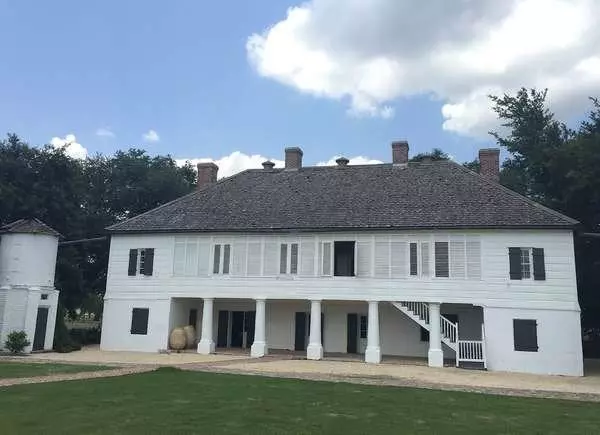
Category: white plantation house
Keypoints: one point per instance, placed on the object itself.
(424, 259)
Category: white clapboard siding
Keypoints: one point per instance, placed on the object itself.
(191, 257)
(457, 257)
(254, 258)
(179, 258)
(382, 258)
(364, 256)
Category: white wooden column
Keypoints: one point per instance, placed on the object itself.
(259, 346)
(435, 354)
(207, 345)
(315, 347)
(373, 351)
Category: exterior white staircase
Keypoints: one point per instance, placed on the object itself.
(470, 351)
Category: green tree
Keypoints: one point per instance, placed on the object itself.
(560, 168)
(435, 154)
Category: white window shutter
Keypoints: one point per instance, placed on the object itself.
(239, 258)
(191, 257)
(473, 258)
(307, 257)
(425, 259)
(254, 249)
(363, 258)
(179, 258)
(325, 255)
(457, 258)
(382, 258)
(271, 265)
(399, 259)
(204, 258)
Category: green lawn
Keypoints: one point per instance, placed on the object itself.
(17, 369)
(190, 402)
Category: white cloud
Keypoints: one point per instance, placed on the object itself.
(358, 160)
(372, 52)
(105, 132)
(70, 145)
(234, 162)
(151, 136)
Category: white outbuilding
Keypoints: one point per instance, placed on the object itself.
(28, 299)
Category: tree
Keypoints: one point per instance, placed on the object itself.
(435, 154)
(560, 168)
(80, 198)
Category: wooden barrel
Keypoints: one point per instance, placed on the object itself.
(190, 336)
(177, 339)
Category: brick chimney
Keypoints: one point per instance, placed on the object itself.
(207, 174)
(293, 158)
(489, 163)
(400, 152)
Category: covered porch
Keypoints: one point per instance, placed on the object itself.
(372, 331)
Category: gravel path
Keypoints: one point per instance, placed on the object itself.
(121, 371)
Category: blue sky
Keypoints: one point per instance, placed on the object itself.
(181, 68)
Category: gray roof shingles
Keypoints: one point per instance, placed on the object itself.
(417, 196)
(29, 226)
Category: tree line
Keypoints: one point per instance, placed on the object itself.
(546, 161)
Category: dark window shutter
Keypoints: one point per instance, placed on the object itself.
(442, 268)
(132, 262)
(525, 335)
(514, 260)
(149, 262)
(139, 321)
(539, 267)
(413, 259)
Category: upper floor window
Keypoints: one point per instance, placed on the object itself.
(416, 267)
(343, 258)
(527, 263)
(288, 258)
(221, 258)
(141, 262)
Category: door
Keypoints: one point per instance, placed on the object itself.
(237, 329)
(300, 342)
(352, 333)
(40, 328)
(362, 333)
(222, 328)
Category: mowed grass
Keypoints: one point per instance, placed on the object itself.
(15, 369)
(173, 401)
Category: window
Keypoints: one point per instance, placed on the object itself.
(325, 252)
(288, 258)
(44, 296)
(525, 335)
(441, 260)
(425, 259)
(139, 321)
(526, 263)
(141, 262)
(363, 326)
(344, 258)
(191, 256)
(414, 267)
(221, 258)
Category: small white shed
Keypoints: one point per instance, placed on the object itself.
(28, 299)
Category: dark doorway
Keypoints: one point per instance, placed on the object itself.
(343, 259)
(237, 328)
(222, 328)
(352, 333)
(300, 342)
(40, 328)
(249, 324)
(193, 317)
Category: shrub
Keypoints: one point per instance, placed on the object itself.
(63, 343)
(17, 341)
(86, 336)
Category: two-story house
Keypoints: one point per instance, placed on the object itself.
(424, 259)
